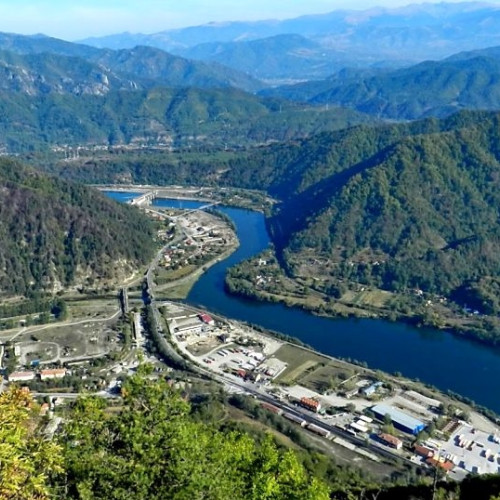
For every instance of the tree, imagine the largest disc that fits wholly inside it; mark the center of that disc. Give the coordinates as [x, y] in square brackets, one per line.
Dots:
[154, 449]
[28, 463]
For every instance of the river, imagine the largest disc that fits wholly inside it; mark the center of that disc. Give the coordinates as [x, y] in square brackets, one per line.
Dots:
[435, 357]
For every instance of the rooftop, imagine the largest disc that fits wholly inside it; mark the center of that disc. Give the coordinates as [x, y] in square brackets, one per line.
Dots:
[398, 416]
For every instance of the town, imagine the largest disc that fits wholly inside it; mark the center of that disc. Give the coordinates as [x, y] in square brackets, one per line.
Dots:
[374, 416]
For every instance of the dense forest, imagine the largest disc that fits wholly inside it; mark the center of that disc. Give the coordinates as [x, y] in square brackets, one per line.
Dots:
[55, 234]
[161, 117]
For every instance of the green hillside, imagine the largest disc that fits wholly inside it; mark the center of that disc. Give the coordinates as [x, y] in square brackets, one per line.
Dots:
[57, 234]
[397, 207]
[161, 116]
[417, 212]
[431, 88]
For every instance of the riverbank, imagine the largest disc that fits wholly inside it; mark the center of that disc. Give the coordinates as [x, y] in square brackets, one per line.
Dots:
[261, 364]
[261, 278]
[458, 365]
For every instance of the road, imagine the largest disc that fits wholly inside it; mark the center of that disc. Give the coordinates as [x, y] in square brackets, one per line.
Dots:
[37, 328]
[246, 387]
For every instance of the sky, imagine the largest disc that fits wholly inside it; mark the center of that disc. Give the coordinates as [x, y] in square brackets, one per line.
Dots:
[77, 19]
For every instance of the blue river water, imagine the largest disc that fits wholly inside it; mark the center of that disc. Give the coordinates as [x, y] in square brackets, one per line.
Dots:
[435, 357]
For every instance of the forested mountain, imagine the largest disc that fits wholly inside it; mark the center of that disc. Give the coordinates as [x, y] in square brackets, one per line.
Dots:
[432, 88]
[401, 35]
[159, 117]
[55, 234]
[158, 68]
[102, 71]
[397, 207]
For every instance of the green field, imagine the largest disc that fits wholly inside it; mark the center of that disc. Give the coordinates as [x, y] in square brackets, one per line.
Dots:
[329, 377]
[312, 370]
[298, 361]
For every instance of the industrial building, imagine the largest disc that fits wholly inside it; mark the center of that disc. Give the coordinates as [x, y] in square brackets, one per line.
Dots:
[51, 374]
[400, 420]
[391, 441]
[371, 389]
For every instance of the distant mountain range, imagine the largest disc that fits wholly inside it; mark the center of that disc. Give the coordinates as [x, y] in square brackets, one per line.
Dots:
[469, 80]
[318, 45]
[139, 67]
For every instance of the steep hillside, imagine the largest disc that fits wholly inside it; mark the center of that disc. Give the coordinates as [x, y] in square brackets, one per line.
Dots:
[39, 74]
[98, 72]
[56, 234]
[432, 88]
[400, 209]
[159, 68]
[159, 117]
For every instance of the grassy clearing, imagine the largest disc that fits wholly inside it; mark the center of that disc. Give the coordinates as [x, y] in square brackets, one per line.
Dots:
[178, 290]
[92, 309]
[166, 275]
[298, 360]
[326, 377]
[289, 377]
[373, 298]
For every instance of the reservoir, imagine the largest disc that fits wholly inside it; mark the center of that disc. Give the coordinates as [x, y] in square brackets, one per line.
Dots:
[438, 358]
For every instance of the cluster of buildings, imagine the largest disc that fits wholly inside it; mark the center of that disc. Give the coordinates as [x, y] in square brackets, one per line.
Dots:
[195, 324]
[399, 419]
[27, 376]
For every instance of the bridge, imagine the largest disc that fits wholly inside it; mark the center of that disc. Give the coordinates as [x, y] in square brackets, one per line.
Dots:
[203, 207]
[144, 199]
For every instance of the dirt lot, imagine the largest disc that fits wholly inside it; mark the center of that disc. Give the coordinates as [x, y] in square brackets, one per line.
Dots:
[204, 346]
[65, 342]
[92, 309]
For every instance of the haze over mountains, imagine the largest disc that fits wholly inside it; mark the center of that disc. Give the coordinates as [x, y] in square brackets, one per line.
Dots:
[319, 45]
[59, 93]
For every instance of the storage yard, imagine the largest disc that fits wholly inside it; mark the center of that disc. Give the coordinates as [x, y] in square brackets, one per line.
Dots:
[334, 399]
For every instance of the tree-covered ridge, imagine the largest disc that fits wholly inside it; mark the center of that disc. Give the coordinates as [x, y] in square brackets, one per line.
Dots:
[421, 212]
[431, 88]
[153, 445]
[160, 116]
[155, 449]
[54, 233]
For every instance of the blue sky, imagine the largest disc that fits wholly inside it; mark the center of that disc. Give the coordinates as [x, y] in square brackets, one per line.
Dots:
[73, 20]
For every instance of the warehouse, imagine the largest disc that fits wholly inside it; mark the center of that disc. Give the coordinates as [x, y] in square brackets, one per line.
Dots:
[400, 420]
